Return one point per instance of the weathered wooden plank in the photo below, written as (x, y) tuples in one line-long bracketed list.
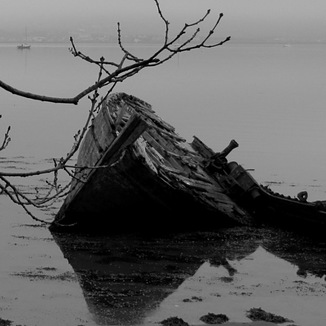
[(97, 140), (197, 184), (166, 143), (134, 128), (89, 152), (174, 171), (158, 121), (102, 130), (132, 131), (165, 133), (218, 197), (146, 110), (202, 148), (160, 148), (137, 103), (199, 175), (121, 112), (199, 180), (168, 148)]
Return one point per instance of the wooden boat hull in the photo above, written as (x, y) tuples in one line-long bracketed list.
[(275, 209), (290, 212), (146, 177)]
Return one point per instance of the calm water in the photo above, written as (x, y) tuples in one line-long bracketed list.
[(270, 98)]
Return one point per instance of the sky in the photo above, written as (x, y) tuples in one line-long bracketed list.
[(304, 19)]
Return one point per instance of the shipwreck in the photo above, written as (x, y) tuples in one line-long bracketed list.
[(134, 172)]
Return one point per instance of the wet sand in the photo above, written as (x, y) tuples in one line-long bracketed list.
[(37, 285), (62, 279)]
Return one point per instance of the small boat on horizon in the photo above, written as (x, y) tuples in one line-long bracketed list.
[(23, 46)]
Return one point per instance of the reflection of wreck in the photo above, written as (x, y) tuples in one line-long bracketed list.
[(307, 255), (145, 172), (125, 277)]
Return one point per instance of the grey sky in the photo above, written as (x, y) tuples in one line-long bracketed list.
[(243, 18)]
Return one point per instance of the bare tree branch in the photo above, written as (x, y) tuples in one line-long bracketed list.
[(6, 139), (122, 72), (110, 73)]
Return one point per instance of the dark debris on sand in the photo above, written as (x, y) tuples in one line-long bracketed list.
[(258, 314), (211, 318), (174, 321), (5, 322)]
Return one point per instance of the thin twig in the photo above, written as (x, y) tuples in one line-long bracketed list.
[(129, 65)]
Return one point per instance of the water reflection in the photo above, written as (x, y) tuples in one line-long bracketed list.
[(305, 253), (133, 280), (261, 280)]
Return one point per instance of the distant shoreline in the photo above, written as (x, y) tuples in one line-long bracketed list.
[(110, 44)]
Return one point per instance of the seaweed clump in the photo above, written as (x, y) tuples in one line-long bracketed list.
[(211, 318), (5, 322), (174, 321), (258, 314)]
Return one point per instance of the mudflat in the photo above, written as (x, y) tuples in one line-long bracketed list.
[(182, 279)]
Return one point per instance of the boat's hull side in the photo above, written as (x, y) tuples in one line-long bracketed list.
[(130, 196), (134, 172), (290, 213), (272, 208)]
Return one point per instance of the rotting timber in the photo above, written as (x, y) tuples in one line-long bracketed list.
[(146, 176), (269, 207)]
